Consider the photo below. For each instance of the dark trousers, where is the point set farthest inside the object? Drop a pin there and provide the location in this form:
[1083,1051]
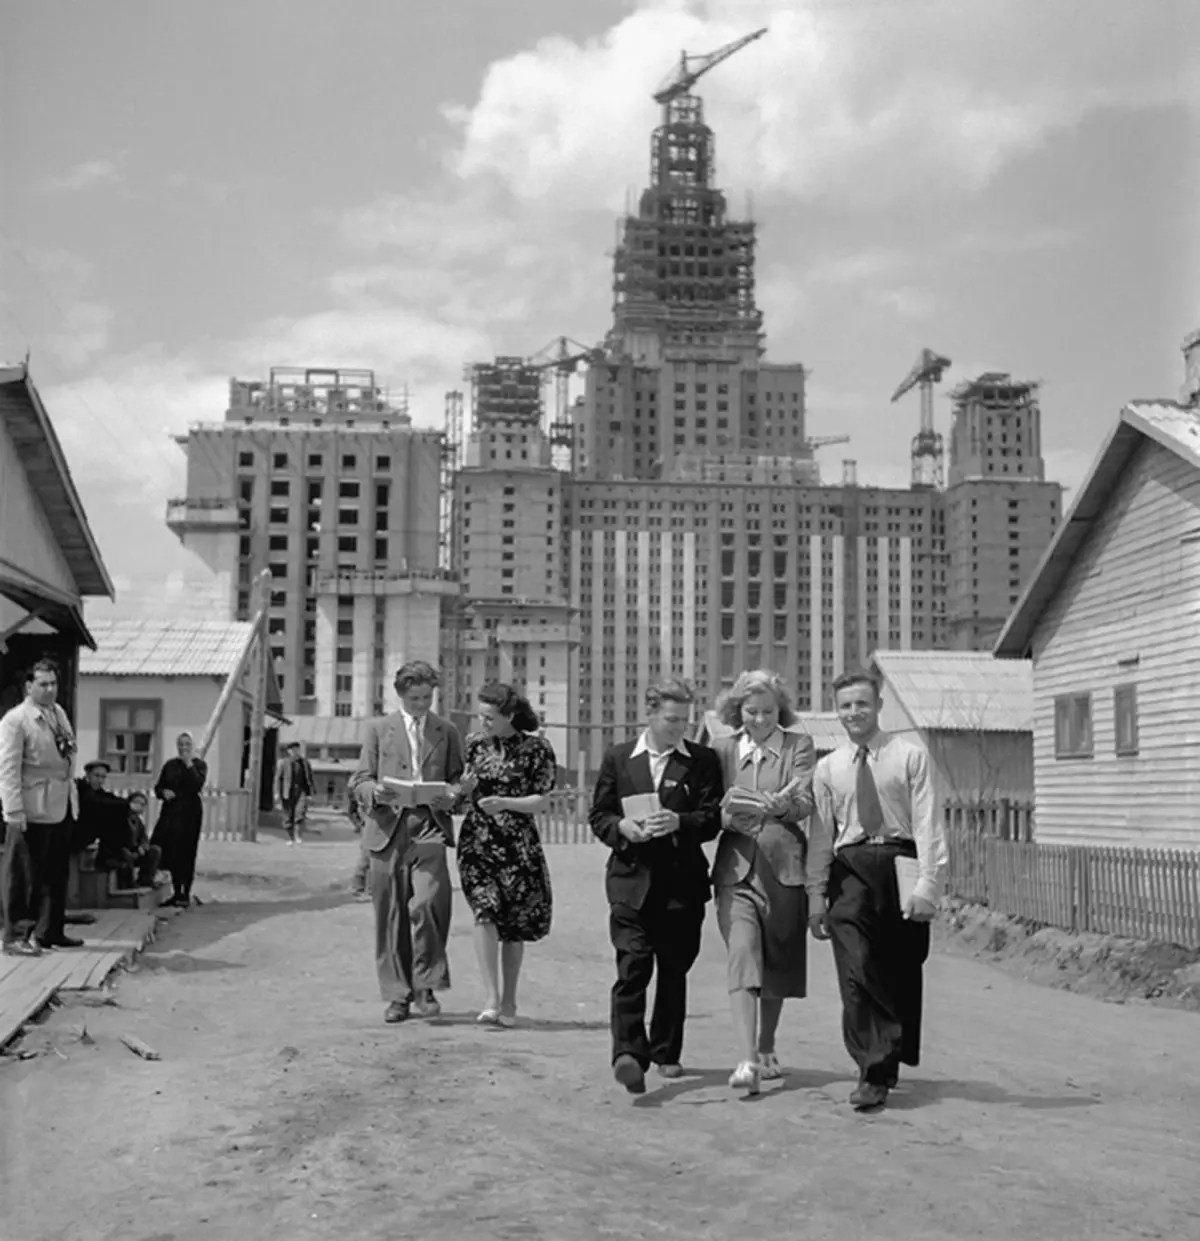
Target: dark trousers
[295,808]
[37,868]
[411,892]
[879,957]
[663,935]
[138,868]
[182,857]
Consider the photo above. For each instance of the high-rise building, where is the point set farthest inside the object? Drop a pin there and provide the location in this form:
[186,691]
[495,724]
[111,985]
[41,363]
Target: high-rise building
[1000,510]
[318,477]
[512,622]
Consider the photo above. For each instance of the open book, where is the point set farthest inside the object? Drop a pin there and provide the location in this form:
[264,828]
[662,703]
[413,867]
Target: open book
[408,793]
[640,806]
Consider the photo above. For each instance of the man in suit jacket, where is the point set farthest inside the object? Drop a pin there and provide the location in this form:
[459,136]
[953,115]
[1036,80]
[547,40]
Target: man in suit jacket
[409,878]
[296,786]
[40,801]
[657,876]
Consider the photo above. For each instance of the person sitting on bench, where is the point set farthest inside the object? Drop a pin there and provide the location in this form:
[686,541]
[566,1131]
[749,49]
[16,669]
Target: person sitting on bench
[129,852]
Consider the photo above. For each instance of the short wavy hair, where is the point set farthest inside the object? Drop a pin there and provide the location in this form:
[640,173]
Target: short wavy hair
[759,681]
[415,672]
[513,706]
[668,689]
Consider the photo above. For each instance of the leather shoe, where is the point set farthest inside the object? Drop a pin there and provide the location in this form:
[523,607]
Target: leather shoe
[396,1012]
[63,941]
[892,1080]
[427,1005]
[630,1074]
[867,1096]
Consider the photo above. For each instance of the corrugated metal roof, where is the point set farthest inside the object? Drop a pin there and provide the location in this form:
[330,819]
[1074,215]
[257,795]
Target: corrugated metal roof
[165,648]
[959,691]
[1173,426]
[322,730]
[823,727]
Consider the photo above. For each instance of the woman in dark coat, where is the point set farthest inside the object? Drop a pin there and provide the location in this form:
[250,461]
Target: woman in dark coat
[177,832]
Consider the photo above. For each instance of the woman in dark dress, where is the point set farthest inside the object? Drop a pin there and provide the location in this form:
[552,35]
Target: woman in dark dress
[177,832]
[510,771]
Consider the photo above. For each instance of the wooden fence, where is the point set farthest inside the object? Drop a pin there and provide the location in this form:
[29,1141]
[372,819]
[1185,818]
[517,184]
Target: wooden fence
[1140,893]
[1010,818]
[565,821]
[226,811]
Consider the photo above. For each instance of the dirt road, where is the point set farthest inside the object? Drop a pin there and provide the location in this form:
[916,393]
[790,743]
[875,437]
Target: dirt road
[283,1107]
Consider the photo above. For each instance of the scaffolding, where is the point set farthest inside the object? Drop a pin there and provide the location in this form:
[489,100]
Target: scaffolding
[340,395]
[505,390]
[681,267]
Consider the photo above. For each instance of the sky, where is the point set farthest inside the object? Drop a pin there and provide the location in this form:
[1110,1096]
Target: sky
[209,188]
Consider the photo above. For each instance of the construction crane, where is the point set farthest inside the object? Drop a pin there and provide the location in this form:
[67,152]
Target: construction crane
[693,67]
[562,356]
[927,447]
[823,441]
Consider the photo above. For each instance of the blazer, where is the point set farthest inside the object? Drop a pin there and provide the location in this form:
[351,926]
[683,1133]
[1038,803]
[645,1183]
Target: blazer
[780,843]
[676,865]
[305,786]
[35,780]
[386,752]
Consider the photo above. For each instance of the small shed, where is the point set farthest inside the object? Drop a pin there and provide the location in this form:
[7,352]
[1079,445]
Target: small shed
[149,680]
[49,560]
[1110,622]
[973,714]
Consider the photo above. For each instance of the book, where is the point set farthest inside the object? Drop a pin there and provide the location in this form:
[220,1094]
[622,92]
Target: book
[640,806]
[907,874]
[409,793]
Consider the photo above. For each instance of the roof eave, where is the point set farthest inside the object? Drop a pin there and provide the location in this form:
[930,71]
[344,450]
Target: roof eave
[100,586]
[1016,638]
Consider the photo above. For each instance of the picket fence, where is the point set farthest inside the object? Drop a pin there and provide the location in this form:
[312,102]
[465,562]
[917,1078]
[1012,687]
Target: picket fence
[1140,893]
[226,811]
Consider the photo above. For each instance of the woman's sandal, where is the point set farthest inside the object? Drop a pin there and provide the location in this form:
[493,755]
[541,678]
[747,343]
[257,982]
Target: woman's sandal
[489,1017]
[769,1068]
[745,1077]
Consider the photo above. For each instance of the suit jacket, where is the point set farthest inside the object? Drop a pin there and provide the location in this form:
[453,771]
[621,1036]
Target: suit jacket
[35,780]
[386,752]
[780,843]
[289,783]
[675,865]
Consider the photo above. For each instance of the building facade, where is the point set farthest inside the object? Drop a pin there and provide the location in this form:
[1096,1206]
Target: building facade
[318,478]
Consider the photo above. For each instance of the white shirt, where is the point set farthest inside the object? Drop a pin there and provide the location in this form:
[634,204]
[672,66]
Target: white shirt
[749,750]
[658,758]
[414,725]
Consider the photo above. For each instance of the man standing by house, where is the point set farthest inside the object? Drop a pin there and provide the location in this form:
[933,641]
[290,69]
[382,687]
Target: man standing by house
[409,878]
[296,786]
[657,799]
[874,804]
[40,802]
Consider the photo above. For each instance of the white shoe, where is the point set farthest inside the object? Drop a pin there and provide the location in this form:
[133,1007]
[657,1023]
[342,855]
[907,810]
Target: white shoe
[745,1077]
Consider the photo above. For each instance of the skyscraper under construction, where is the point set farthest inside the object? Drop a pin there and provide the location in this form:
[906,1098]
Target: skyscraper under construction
[692,532]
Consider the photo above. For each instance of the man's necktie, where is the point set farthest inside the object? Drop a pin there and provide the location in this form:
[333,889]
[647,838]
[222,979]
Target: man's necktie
[870,812]
[416,740]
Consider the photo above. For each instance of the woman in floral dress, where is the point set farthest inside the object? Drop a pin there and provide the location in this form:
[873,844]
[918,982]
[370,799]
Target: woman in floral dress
[510,771]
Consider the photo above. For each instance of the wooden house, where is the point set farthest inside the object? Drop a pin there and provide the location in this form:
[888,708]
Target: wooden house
[973,714]
[1111,623]
[49,560]
[149,680]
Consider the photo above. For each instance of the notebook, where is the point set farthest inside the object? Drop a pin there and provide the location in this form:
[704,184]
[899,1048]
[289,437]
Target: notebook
[640,806]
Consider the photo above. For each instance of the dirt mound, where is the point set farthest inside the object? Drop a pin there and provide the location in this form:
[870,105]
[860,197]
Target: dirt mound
[1104,966]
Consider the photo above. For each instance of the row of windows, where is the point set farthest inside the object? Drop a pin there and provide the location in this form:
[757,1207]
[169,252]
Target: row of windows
[314,461]
[1073,735]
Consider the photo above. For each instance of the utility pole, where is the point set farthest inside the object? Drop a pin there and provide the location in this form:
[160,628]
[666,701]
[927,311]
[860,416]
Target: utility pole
[258,712]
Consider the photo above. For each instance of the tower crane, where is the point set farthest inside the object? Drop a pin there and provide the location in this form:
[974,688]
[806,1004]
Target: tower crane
[927,447]
[690,68]
[562,357]
[823,441]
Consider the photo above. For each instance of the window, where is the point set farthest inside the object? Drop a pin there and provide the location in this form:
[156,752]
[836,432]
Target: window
[348,491]
[279,461]
[349,461]
[347,543]
[129,735]
[1073,726]
[280,487]
[383,464]
[246,460]
[1125,720]
[314,460]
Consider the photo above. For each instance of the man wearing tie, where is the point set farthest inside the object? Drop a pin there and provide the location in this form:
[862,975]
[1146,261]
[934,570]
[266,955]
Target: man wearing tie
[409,879]
[657,876]
[874,803]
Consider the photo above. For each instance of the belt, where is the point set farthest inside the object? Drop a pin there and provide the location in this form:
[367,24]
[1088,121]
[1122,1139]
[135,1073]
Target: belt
[882,840]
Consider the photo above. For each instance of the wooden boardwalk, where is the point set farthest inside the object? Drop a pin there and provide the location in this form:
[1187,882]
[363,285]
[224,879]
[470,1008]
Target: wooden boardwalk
[27,984]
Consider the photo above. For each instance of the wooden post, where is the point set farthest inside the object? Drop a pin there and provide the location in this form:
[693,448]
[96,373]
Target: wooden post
[258,710]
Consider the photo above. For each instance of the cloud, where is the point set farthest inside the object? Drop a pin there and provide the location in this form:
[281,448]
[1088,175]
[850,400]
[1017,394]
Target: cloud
[84,176]
[847,102]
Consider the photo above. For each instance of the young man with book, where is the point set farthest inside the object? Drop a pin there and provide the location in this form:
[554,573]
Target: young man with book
[657,800]
[876,860]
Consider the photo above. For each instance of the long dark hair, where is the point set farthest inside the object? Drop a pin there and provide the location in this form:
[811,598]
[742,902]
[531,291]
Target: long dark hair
[511,705]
